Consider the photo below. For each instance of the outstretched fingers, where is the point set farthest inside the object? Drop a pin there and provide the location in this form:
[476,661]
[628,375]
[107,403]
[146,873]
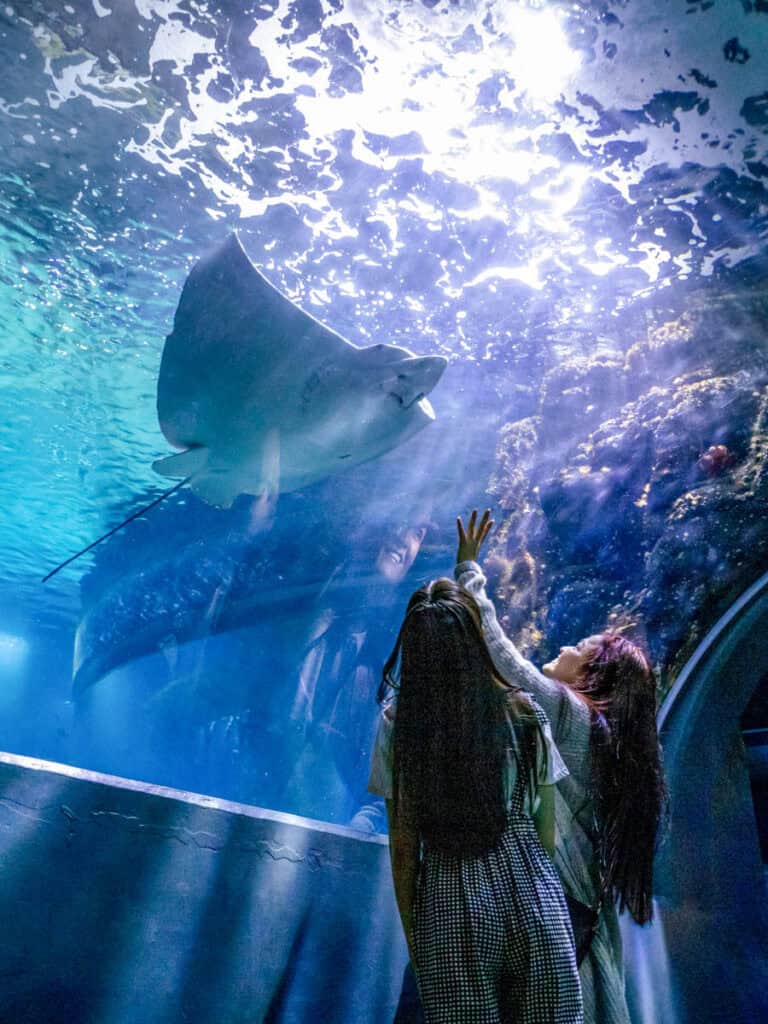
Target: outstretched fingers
[485,527]
[472,537]
[460,529]
[479,531]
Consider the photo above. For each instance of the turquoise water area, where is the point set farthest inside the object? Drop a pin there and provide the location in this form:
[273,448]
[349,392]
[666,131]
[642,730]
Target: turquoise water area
[560,199]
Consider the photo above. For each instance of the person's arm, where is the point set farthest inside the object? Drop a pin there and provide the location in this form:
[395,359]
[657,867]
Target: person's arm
[544,818]
[508,660]
[404,858]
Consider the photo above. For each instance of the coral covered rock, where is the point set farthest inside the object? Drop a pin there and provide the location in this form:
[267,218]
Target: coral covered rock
[639,494]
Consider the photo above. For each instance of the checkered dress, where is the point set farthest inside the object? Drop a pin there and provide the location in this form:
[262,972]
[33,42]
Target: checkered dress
[492,933]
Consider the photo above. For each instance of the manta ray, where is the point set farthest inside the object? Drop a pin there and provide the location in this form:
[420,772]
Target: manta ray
[263,398]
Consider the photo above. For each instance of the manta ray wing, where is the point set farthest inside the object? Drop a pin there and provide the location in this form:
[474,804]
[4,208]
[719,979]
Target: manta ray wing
[264,398]
[234,349]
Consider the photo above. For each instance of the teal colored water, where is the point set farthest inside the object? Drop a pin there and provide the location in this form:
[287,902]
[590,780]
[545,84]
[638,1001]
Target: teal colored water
[514,186]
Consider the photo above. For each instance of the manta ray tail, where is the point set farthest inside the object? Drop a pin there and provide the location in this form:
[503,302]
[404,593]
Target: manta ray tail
[141,511]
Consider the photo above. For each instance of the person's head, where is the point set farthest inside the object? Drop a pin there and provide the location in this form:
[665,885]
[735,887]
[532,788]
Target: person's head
[571,659]
[399,548]
[603,667]
[616,678]
[440,646]
[450,741]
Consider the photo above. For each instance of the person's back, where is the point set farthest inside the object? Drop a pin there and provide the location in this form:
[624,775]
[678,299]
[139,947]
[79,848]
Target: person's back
[468,768]
[600,700]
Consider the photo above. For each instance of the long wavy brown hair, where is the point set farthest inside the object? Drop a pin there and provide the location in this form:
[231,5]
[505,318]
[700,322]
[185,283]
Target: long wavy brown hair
[628,785]
[451,732]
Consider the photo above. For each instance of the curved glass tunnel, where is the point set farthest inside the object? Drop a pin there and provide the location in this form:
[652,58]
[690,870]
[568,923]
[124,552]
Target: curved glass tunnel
[713,860]
[565,202]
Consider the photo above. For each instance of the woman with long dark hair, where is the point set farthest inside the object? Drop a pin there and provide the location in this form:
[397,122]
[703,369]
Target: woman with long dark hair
[600,697]
[467,766]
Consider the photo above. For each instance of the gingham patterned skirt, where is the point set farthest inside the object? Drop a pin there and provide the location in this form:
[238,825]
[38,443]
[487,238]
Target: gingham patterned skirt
[493,937]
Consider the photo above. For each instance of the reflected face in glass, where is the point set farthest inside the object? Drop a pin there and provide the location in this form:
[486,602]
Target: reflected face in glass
[398,551]
[570,663]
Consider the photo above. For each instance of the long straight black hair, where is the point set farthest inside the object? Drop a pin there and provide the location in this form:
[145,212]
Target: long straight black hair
[627,776]
[451,733]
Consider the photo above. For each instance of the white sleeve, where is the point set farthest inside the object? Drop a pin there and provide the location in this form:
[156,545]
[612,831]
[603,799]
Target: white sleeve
[508,660]
[380,778]
[551,767]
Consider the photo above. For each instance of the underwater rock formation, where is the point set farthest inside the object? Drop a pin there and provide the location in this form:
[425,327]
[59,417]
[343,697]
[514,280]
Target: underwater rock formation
[637,496]
[716,459]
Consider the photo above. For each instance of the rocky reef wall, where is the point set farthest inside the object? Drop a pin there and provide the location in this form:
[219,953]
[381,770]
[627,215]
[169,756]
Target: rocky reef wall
[635,494]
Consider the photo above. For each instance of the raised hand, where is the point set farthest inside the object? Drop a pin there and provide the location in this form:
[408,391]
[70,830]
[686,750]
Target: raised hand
[472,537]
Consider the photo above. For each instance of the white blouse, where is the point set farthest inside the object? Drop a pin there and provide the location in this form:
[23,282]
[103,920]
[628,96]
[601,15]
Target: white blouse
[550,765]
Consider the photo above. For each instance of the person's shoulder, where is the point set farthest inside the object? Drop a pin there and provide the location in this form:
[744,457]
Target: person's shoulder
[578,705]
[388,712]
[385,731]
[570,719]
[559,696]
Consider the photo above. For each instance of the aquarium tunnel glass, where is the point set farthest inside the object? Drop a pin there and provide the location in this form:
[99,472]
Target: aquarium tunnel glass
[512,254]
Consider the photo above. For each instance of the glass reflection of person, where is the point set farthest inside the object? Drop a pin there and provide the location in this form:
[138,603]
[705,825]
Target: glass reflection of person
[600,697]
[398,551]
[332,713]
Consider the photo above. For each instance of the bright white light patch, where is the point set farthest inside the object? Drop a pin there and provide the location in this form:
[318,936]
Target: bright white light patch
[542,60]
[13,651]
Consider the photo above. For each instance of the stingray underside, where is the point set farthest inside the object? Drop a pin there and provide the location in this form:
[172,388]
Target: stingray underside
[262,397]
[238,347]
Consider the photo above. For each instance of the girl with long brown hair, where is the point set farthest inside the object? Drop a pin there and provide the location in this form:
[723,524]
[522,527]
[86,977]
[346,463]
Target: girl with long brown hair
[600,697]
[467,766]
